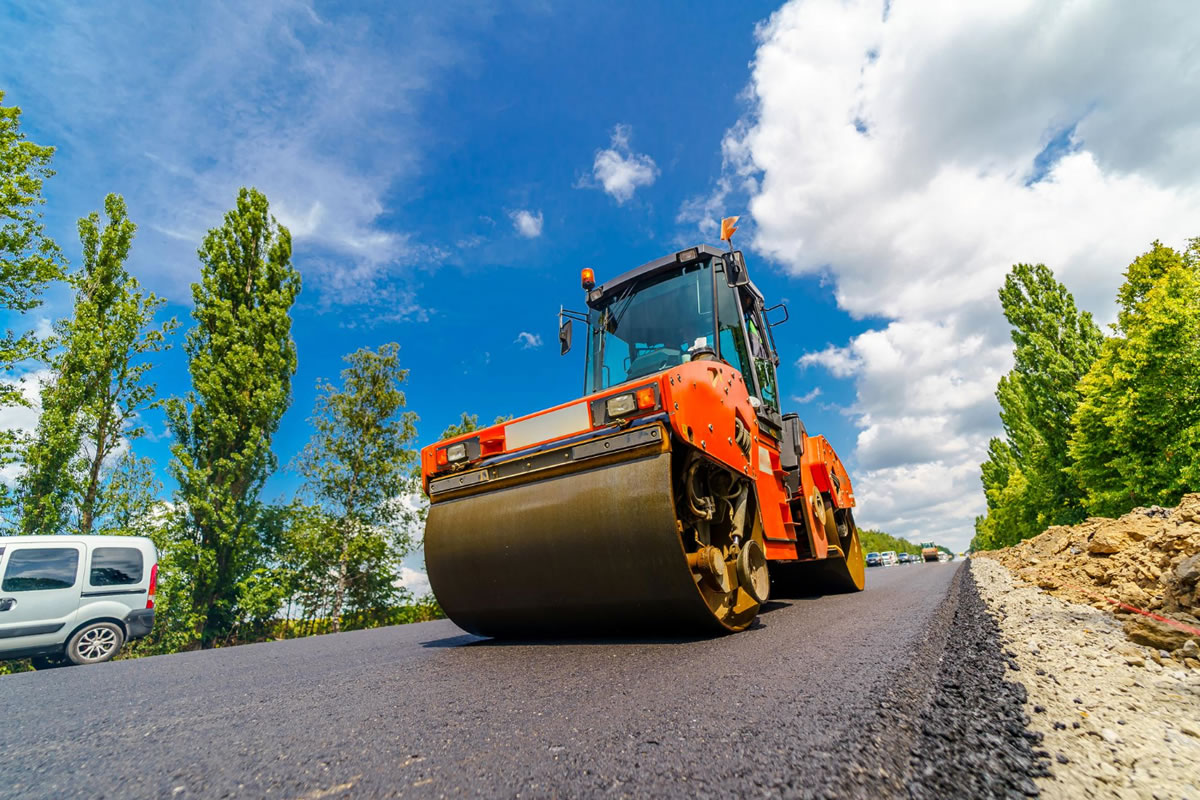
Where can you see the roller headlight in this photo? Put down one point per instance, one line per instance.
(620, 404)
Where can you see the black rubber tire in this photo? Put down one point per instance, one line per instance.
(84, 643)
(49, 662)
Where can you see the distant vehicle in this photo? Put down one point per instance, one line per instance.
(890, 558)
(74, 599)
(929, 551)
(902, 558)
(943, 557)
(873, 560)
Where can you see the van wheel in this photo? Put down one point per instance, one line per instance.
(48, 662)
(95, 643)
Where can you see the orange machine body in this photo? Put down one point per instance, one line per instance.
(701, 403)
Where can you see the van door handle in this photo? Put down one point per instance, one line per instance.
(7, 602)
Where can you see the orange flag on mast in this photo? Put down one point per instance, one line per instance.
(728, 226)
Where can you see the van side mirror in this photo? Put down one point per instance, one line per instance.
(564, 335)
(735, 269)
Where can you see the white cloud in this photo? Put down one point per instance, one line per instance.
(528, 341)
(416, 581)
(526, 223)
(22, 420)
(913, 156)
(808, 396)
(320, 111)
(618, 170)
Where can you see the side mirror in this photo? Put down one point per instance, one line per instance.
(564, 335)
(735, 269)
(775, 309)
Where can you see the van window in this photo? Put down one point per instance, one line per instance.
(116, 566)
(41, 568)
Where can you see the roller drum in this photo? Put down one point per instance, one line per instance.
(592, 551)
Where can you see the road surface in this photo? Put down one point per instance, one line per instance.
(819, 698)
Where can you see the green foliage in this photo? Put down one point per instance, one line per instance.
(29, 260)
(1137, 429)
(1026, 479)
(468, 423)
(241, 358)
(91, 406)
(1012, 512)
(358, 467)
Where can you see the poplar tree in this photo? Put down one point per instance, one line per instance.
(241, 358)
(76, 477)
(1136, 437)
(29, 260)
(358, 467)
(1026, 478)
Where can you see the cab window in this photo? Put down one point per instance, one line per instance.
(41, 568)
(763, 364)
(115, 566)
(733, 344)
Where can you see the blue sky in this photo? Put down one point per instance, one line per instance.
(443, 170)
(510, 120)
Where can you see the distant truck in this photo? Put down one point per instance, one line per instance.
(929, 551)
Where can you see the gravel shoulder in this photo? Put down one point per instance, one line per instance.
(1117, 723)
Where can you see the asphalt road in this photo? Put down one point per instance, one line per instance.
(817, 700)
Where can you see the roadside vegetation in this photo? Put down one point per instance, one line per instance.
(1096, 425)
(233, 568)
(880, 542)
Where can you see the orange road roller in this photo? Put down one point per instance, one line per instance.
(674, 497)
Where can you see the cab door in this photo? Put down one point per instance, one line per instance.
(39, 592)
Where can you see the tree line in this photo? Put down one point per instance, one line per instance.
(232, 566)
(873, 541)
(1095, 425)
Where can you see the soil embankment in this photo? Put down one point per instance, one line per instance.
(1118, 720)
(1148, 560)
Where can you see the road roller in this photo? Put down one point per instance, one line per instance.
(673, 497)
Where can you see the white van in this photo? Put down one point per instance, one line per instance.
(74, 599)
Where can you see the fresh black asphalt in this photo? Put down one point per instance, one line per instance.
(824, 697)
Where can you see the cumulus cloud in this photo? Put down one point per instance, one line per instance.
(618, 170)
(416, 581)
(526, 223)
(910, 153)
(528, 341)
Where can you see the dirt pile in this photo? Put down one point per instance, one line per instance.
(1148, 559)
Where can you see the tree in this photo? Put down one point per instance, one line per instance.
(91, 406)
(1136, 436)
(241, 358)
(1026, 478)
(358, 467)
(29, 260)
(873, 541)
(466, 424)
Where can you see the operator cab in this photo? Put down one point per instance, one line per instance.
(693, 305)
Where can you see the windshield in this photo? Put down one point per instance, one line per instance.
(657, 323)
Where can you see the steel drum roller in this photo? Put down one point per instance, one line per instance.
(590, 551)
